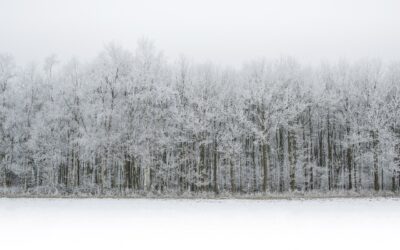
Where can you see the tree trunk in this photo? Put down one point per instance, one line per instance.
(374, 135)
(215, 162)
(265, 166)
(292, 159)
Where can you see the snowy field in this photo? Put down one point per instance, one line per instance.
(199, 224)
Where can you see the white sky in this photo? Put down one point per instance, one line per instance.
(228, 31)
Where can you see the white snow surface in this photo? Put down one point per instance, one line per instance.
(199, 224)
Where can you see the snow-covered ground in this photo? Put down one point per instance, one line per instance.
(199, 224)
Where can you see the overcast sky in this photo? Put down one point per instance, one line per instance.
(228, 32)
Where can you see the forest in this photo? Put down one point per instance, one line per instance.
(127, 123)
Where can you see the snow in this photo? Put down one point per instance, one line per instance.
(198, 224)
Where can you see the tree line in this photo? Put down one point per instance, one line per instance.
(128, 123)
